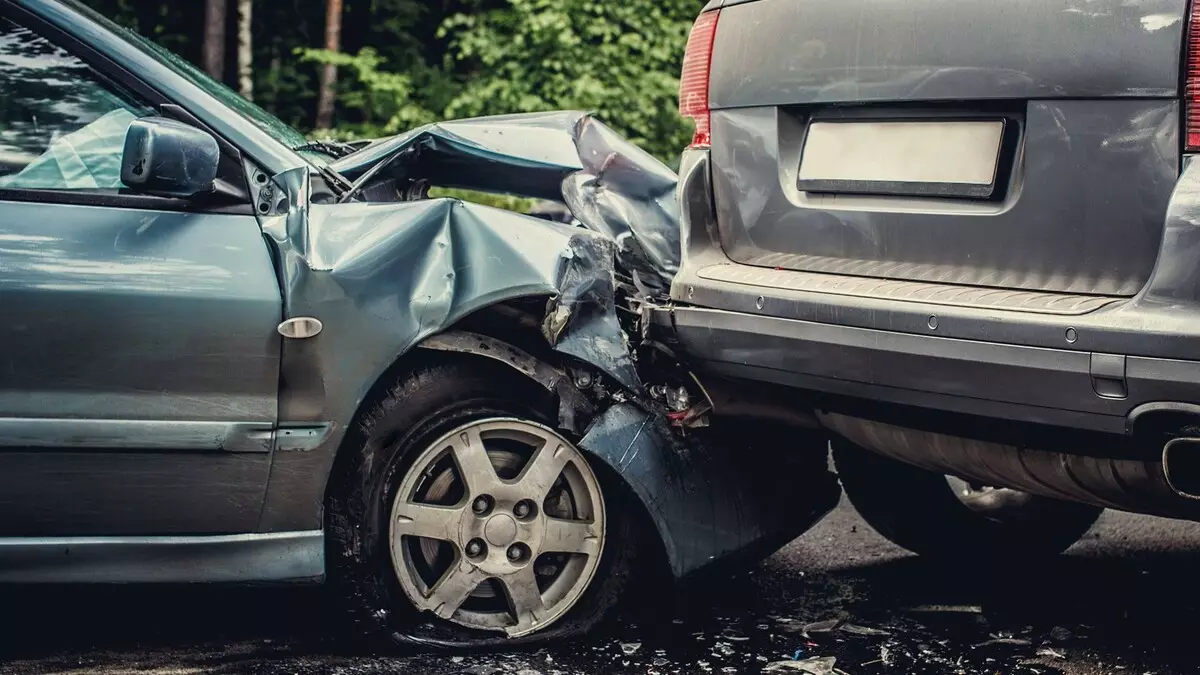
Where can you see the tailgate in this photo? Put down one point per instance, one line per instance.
(1027, 144)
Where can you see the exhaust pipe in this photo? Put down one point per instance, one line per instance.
(1181, 466)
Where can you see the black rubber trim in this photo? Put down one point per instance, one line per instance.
(115, 198)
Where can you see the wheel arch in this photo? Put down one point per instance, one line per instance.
(509, 334)
(509, 328)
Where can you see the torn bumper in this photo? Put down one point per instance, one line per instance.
(731, 496)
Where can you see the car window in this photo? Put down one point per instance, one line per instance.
(61, 126)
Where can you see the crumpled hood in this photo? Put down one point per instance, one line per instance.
(386, 275)
(610, 185)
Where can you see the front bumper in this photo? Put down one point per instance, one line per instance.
(730, 495)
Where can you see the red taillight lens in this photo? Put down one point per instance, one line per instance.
(1191, 87)
(693, 83)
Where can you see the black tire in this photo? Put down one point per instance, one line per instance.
(425, 404)
(919, 510)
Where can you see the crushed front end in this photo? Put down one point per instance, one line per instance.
(721, 475)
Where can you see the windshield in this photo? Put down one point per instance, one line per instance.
(234, 101)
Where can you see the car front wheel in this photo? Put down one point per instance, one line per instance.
(466, 519)
(943, 517)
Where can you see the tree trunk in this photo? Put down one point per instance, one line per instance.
(245, 50)
(333, 43)
(214, 37)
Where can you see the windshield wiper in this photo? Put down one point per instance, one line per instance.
(335, 149)
(337, 182)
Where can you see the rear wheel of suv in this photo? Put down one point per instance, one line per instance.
(937, 516)
(465, 519)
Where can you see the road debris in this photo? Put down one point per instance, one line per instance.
(820, 627)
(945, 609)
(69, 631)
(1003, 642)
(862, 631)
(1060, 634)
(817, 665)
(842, 626)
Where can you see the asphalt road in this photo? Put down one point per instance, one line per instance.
(1123, 601)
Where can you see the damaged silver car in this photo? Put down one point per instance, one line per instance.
(230, 354)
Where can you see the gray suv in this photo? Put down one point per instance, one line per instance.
(967, 236)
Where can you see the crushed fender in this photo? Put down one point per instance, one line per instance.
(386, 261)
(385, 267)
(612, 186)
(709, 492)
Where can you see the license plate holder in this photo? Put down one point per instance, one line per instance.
(933, 158)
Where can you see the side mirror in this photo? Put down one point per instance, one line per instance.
(169, 158)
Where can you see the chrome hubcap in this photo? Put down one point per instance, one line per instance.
(499, 526)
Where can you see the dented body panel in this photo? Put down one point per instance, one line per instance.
(611, 186)
(708, 501)
(382, 277)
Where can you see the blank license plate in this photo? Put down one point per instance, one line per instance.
(949, 159)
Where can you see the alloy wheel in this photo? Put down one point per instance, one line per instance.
(498, 525)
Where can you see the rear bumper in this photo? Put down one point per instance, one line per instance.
(1033, 385)
(1079, 365)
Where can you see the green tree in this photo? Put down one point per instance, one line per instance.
(406, 62)
(619, 59)
(383, 100)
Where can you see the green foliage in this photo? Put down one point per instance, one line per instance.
(618, 59)
(385, 99)
(407, 62)
(499, 201)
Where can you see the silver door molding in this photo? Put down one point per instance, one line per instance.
(144, 435)
(278, 556)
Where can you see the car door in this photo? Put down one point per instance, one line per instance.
(138, 348)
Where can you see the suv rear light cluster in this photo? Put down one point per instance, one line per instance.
(693, 83)
(1191, 87)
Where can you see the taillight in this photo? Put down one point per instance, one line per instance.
(693, 83)
(1191, 87)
